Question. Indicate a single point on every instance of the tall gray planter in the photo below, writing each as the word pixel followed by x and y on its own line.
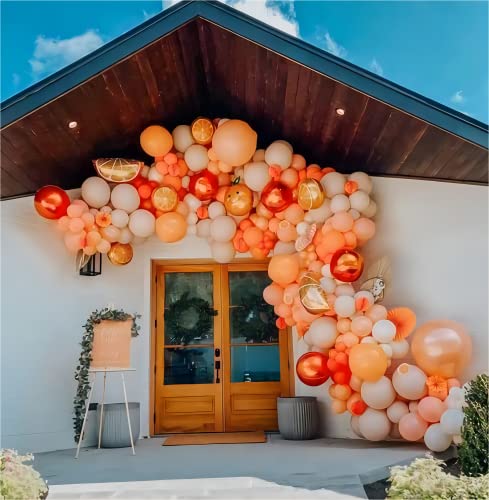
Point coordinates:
pixel 298 417
pixel 115 432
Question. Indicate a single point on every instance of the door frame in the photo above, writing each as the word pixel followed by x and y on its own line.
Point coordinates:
pixel 155 263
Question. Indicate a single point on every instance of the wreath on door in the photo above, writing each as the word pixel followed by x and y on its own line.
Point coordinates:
pixel 188 318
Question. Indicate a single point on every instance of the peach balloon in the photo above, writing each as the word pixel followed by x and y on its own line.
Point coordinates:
pixel 442 348
pixel 156 140
pixel 273 294
pixel 234 142
pixel 171 227
pixel 361 325
pixel 431 409
pixel 344 325
pixel 376 313
pixel 283 269
pixel 283 310
pixel 294 214
pixel 338 406
pixel 364 228
pixel 342 221
pixel 252 236
pixel 74 241
pixel 289 177
pixel 412 427
pixel 286 231
pixel 290 292
pixel 368 362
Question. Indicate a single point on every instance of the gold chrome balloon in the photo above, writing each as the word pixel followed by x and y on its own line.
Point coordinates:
pixel 312 295
pixel 310 194
pixel 120 254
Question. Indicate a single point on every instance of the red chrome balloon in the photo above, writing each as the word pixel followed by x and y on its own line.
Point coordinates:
pixel 51 202
pixel 204 185
pixel 312 368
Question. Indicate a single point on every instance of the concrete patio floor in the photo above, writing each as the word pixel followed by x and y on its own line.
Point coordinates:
pixel 341 466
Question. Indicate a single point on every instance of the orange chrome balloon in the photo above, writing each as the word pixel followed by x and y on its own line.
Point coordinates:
pixel 51 202
pixel 238 199
pixel 276 196
pixel 120 254
pixel 346 265
pixel 312 368
pixel 204 185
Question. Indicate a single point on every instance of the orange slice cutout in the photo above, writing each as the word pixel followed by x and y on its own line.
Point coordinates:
pixel 202 130
pixel 165 198
pixel 117 169
pixel 405 321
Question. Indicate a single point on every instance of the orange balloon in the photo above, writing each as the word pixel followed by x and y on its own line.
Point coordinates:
pixel 234 142
pixel 156 140
pixel 51 202
pixel 171 227
pixel 367 362
pixel 442 348
pixel 283 269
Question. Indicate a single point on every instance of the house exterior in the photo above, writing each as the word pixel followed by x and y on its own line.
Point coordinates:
pixel 429 165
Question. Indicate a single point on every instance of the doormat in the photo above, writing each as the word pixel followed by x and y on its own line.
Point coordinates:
pixel 216 438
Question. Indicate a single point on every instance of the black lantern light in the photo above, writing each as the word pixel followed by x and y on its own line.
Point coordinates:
pixel 92 266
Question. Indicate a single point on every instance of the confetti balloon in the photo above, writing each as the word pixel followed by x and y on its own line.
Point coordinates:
pixel 346 265
pixel 51 202
pixel 312 368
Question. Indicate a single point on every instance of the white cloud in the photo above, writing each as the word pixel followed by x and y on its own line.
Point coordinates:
pixel 51 54
pixel 279 14
pixel 375 67
pixel 458 97
pixel 334 47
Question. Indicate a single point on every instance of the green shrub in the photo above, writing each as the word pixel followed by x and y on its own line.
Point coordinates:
pixel 424 479
pixel 473 450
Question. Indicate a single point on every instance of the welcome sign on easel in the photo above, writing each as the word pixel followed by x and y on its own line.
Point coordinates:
pixel 112 344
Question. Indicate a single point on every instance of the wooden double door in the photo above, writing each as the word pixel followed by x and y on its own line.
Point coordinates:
pixel 220 360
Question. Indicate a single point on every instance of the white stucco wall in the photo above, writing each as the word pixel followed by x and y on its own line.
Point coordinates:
pixel 434 233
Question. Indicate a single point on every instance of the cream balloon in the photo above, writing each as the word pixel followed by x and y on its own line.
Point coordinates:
pixel 155 176
pixel 279 154
pixel 374 424
pixel 400 348
pixel 223 228
pixel 204 228
pixel 320 214
pixel 120 218
pixel 355 425
pixel 182 138
pixel 96 192
pixel 192 202
pixel 142 223
pixel 215 209
pixel 397 410
pixel 125 197
pixel 359 200
pixel 344 306
pixel 110 233
pixel 196 157
pixel 451 421
pixel 363 181
pixel 379 394
pixel 322 333
pixel 125 236
pixel 222 251
pixel 436 439
pixel 256 175
pixel 409 381
pixel 384 331
pixel 340 203
pixel 333 184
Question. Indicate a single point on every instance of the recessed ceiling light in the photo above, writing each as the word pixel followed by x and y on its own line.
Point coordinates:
pixel 340 111
pixel 73 124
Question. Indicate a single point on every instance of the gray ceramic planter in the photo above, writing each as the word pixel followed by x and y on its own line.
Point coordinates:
pixel 298 417
pixel 115 432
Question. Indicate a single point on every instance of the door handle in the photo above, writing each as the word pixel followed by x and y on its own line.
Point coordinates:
pixel 217 353
pixel 217 365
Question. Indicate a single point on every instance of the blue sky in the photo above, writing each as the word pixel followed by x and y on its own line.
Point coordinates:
pixel 438 49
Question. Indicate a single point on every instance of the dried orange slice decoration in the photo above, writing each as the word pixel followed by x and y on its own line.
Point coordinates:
pixel 165 198
pixel 202 130
pixel 117 169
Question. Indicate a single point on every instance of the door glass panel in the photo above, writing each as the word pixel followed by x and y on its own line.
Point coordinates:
pixel 252 320
pixel 255 363
pixel 189 366
pixel 189 309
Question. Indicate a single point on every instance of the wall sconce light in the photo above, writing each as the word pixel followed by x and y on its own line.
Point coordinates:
pixel 93 266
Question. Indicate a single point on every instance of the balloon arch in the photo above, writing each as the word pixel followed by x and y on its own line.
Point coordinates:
pixel 209 179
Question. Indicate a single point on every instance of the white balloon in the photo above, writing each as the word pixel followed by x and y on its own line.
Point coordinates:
pixel 186 181
pixel 191 229
pixel 326 271
pixel 120 218
pixel 154 175
pixel 142 223
pixel 400 348
pixel 192 202
pixel 451 421
pixel 397 410
pixel 363 180
pixel 182 138
pixel 110 233
pixel 95 191
pixel 192 218
pixel 256 175
pixel 384 331
pixel 387 349
pixel 355 425
pixel 340 203
pixel 374 424
pixel 322 333
pixel 222 251
pixel 223 228
pixel 345 289
pixel 145 171
pixel 368 340
pixel 302 228
pixel 125 197
pixel 106 209
pixel 379 394
pixel 279 154
pixel 333 184
pixel 125 235
pixel 359 200
pixel 409 381
pixel 285 143
pixel 371 210
pixel 215 209
pixel 196 157
pixel 354 213
pixel 319 214
pixel 182 208
pixel 437 440
pixel 204 228
pixel 344 306
pixel 328 284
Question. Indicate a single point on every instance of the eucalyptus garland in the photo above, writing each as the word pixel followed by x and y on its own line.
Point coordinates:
pixel 181 326
pixel 81 372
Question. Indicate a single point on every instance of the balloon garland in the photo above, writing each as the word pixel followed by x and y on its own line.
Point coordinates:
pixel 209 179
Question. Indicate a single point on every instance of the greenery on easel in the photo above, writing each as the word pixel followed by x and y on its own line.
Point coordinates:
pixel 81 372
pixel 188 318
